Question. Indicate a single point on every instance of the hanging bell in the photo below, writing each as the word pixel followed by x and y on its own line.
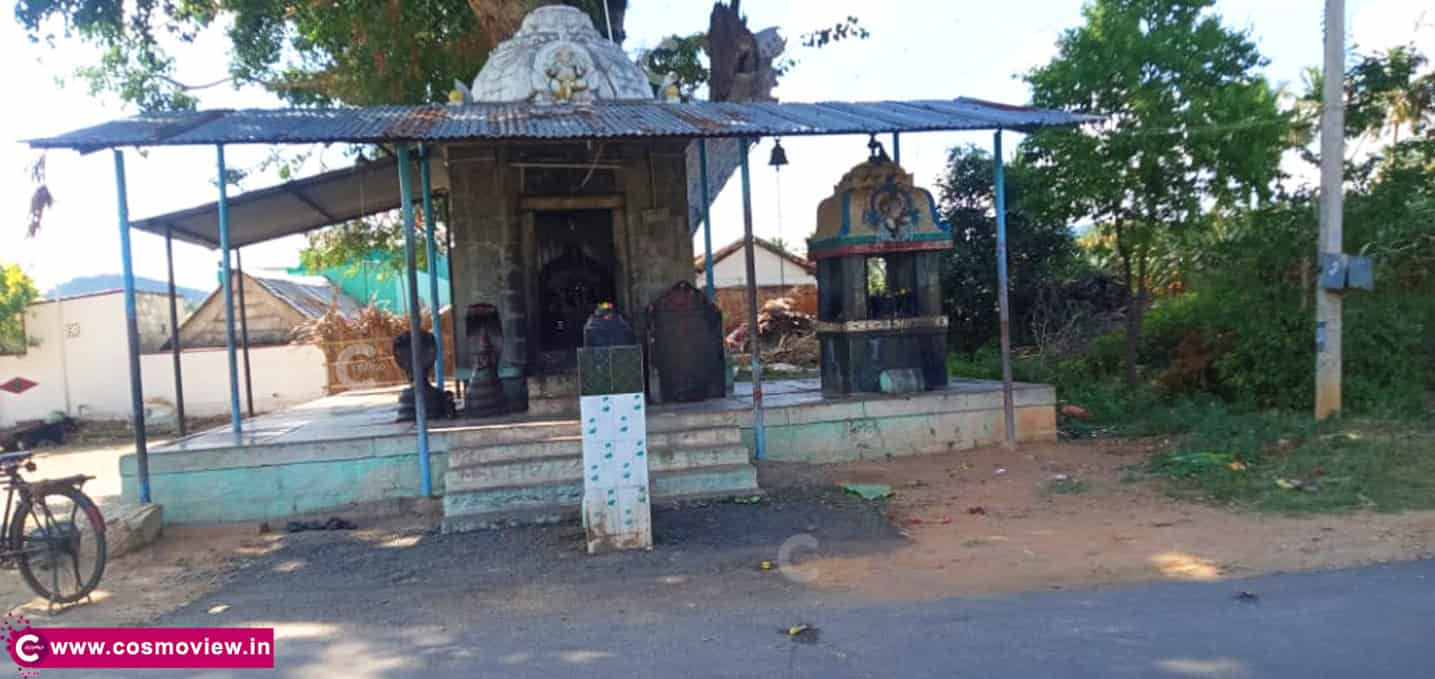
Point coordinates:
pixel 779 155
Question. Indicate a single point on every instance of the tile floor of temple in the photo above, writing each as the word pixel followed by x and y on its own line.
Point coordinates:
pixel 370 413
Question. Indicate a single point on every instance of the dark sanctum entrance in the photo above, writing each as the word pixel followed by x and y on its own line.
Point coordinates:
pixel 576 261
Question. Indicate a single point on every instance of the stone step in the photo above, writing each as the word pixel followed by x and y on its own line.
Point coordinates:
pixel 736 480
pixel 539 515
pixel 516 432
pixel 570 443
pixel 568 425
pixel 507 499
pixel 553 407
pixel 691 419
pixel 569 467
pixel 563 408
pixel 556 446
pixel 695 438
pixel 560 501
pixel 561 386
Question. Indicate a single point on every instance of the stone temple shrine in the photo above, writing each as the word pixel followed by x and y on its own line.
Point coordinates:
pixel 545 232
pixel 569 186
pixel 879 295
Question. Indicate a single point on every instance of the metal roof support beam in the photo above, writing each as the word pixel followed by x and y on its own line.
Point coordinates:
pixel 458 385
pixel 707 221
pixel 406 208
pixel 759 428
pixel 432 252
pixel 132 332
pixel 897 147
pixel 174 348
pixel 304 198
pixel 1003 304
pixel 244 332
pixel 226 278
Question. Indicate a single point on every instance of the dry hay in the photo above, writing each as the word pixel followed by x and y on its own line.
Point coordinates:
pixel 786 335
pixel 358 350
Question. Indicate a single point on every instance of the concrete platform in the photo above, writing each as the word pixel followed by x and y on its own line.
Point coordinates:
pixel 345 449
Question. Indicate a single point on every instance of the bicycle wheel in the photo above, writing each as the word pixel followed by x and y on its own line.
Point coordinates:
pixel 58 537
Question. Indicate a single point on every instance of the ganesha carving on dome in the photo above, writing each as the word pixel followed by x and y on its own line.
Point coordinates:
pixel 557 57
pixel 561 70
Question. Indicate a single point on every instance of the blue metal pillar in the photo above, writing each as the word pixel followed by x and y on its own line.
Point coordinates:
pixel 244 333
pixel 132 332
pixel 759 428
pixel 174 347
pixel 432 252
pixel 235 421
pixel 406 207
pixel 1003 305
pixel 707 220
pixel 897 148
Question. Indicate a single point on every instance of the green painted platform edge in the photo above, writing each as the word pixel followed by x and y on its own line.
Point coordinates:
pixel 880 405
pixel 863 437
pixel 276 491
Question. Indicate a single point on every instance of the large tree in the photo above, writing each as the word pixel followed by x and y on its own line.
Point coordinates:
pixel 354 52
pixel 1191 123
pixel 17 291
pixel 1038 249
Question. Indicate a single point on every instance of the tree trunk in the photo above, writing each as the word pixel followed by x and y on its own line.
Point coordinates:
pixel 1430 358
pixel 1133 322
pixel 742 63
pixel 1135 315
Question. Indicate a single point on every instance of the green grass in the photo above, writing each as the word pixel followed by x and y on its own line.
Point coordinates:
pixel 1234 454
pixel 1280 463
pixel 1116 409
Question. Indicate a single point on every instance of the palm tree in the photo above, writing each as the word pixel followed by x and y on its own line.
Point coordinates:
pixel 1409 97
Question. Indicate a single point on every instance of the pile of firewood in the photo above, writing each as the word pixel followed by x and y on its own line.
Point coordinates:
pixel 785 334
pixel 370 323
pixel 358 349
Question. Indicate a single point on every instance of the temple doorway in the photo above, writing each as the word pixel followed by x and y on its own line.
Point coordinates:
pixel 576 261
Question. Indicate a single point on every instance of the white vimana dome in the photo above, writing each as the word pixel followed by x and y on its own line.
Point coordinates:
pixel 558 57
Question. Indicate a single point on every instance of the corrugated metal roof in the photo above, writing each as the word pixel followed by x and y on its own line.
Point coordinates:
pixel 296 206
pixel 520 121
pixel 309 295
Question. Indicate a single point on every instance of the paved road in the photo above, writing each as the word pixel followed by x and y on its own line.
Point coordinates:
pixel 526 603
pixel 1368 623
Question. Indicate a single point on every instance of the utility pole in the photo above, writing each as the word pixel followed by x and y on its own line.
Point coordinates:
pixel 1329 303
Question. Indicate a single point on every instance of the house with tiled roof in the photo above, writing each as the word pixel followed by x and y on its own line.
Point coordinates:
pixel 780 273
pixel 274 306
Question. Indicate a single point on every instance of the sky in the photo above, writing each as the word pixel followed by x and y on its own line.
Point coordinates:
pixel 917 49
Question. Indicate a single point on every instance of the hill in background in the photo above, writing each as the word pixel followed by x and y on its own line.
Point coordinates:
pixel 85 285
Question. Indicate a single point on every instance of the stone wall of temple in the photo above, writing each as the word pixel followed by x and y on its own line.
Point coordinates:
pixel 498 190
pixel 486 263
pixel 659 243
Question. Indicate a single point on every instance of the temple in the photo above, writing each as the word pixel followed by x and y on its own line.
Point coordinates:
pixel 571 193
pixel 544 232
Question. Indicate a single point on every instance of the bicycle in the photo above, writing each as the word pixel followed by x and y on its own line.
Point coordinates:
pixel 43 546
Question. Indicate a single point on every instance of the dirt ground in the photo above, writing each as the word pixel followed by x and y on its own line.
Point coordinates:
pixel 183 565
pixel 1044 517
pixel 1065 515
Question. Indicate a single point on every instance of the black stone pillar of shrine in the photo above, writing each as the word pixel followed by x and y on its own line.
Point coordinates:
pixel 878 249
